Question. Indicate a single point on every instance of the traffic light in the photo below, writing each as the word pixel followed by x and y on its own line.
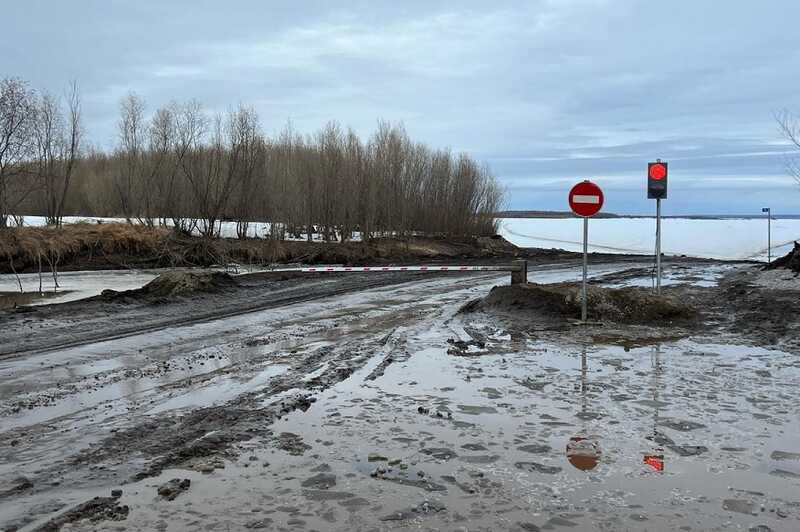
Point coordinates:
pixel 657 180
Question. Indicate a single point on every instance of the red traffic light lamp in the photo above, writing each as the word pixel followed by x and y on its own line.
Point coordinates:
pixel 657 173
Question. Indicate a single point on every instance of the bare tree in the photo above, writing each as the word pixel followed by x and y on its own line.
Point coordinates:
pixel 191 127
pixel 131 136
pixel 245 157
pixel 354 175
pixel 17 122
pixel 330 146
pixel 284 203
pixel 789 126
pixel 161 164
pixel 210 181
pixel 58 144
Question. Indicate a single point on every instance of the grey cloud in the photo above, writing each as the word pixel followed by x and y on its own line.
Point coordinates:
pixel 546 91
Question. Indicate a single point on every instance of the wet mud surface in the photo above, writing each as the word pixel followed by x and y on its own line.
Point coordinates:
pixel 386 408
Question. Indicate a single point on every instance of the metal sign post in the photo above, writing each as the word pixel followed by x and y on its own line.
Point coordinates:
pixel 769 233
pixel 585 200
pixel 658 246
pixel 657 189
pixel 584 310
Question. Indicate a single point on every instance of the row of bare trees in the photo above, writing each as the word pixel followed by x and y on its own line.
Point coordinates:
pixel 40 144
pixel 182 167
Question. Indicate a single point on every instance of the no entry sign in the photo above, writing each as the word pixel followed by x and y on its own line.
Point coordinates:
pixel 586 199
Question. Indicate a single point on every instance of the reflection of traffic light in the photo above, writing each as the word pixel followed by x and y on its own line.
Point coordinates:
pixel 657 174
pixel 655 461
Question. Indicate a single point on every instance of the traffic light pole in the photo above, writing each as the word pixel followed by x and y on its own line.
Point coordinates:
pixel 658 246
pixel 585 266
pixel 657 190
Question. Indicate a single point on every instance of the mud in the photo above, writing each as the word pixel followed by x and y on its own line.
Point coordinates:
pixel 171 489
pixel 171 285
pixel 560 302
pixel 344 406
pixel 12 300
pixel 790 261
pixel 95 510
pixel 767 316
pixel 120 314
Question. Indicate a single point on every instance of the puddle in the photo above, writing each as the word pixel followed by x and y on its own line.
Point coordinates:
pixel 76 285
pixel 9 300
pixel 644 276
pixel 219 391
pixel 613 437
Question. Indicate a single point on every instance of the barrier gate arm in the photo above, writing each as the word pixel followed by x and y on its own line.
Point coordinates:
pixel 518 269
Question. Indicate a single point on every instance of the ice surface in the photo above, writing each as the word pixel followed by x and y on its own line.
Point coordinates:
pixel 717 239
pixel 78 285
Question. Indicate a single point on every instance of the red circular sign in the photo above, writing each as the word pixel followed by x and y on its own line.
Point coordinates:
pixel 658 171
pixel 586 199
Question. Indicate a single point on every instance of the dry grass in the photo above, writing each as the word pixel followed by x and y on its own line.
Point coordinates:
pixel 115 245
pixel 28 245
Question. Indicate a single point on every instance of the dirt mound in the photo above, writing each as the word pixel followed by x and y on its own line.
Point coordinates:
pixel 563 301
pixel 790 261
pixel 177 284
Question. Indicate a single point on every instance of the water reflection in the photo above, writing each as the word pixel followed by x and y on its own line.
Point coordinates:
pixel 655 457
pixel 583 451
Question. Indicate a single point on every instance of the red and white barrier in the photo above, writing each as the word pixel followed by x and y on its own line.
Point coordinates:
pixel 336 269
pixel 518 269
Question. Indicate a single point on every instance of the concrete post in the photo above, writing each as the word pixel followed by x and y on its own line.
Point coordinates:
pixel 520 274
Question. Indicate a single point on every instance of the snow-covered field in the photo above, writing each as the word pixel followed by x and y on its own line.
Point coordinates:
pixel 227 230
pixel 718 239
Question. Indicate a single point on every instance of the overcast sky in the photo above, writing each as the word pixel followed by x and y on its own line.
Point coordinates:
pixel 547 92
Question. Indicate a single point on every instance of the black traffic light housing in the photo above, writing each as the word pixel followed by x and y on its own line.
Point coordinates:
pixel 657 175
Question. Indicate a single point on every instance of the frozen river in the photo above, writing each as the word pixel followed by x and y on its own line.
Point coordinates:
pixel 718 238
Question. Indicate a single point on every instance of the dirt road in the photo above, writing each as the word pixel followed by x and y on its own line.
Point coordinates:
pixel 339 404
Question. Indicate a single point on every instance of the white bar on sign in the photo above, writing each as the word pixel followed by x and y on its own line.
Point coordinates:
pixel 578 198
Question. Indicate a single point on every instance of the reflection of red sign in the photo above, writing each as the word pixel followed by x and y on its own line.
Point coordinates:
pixel 655 461
pixel 585 199
pixel 583 453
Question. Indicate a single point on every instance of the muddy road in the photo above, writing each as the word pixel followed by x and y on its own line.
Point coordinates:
pixel 374 403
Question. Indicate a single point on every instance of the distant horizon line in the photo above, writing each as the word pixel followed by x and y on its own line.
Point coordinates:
pixel 519 213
